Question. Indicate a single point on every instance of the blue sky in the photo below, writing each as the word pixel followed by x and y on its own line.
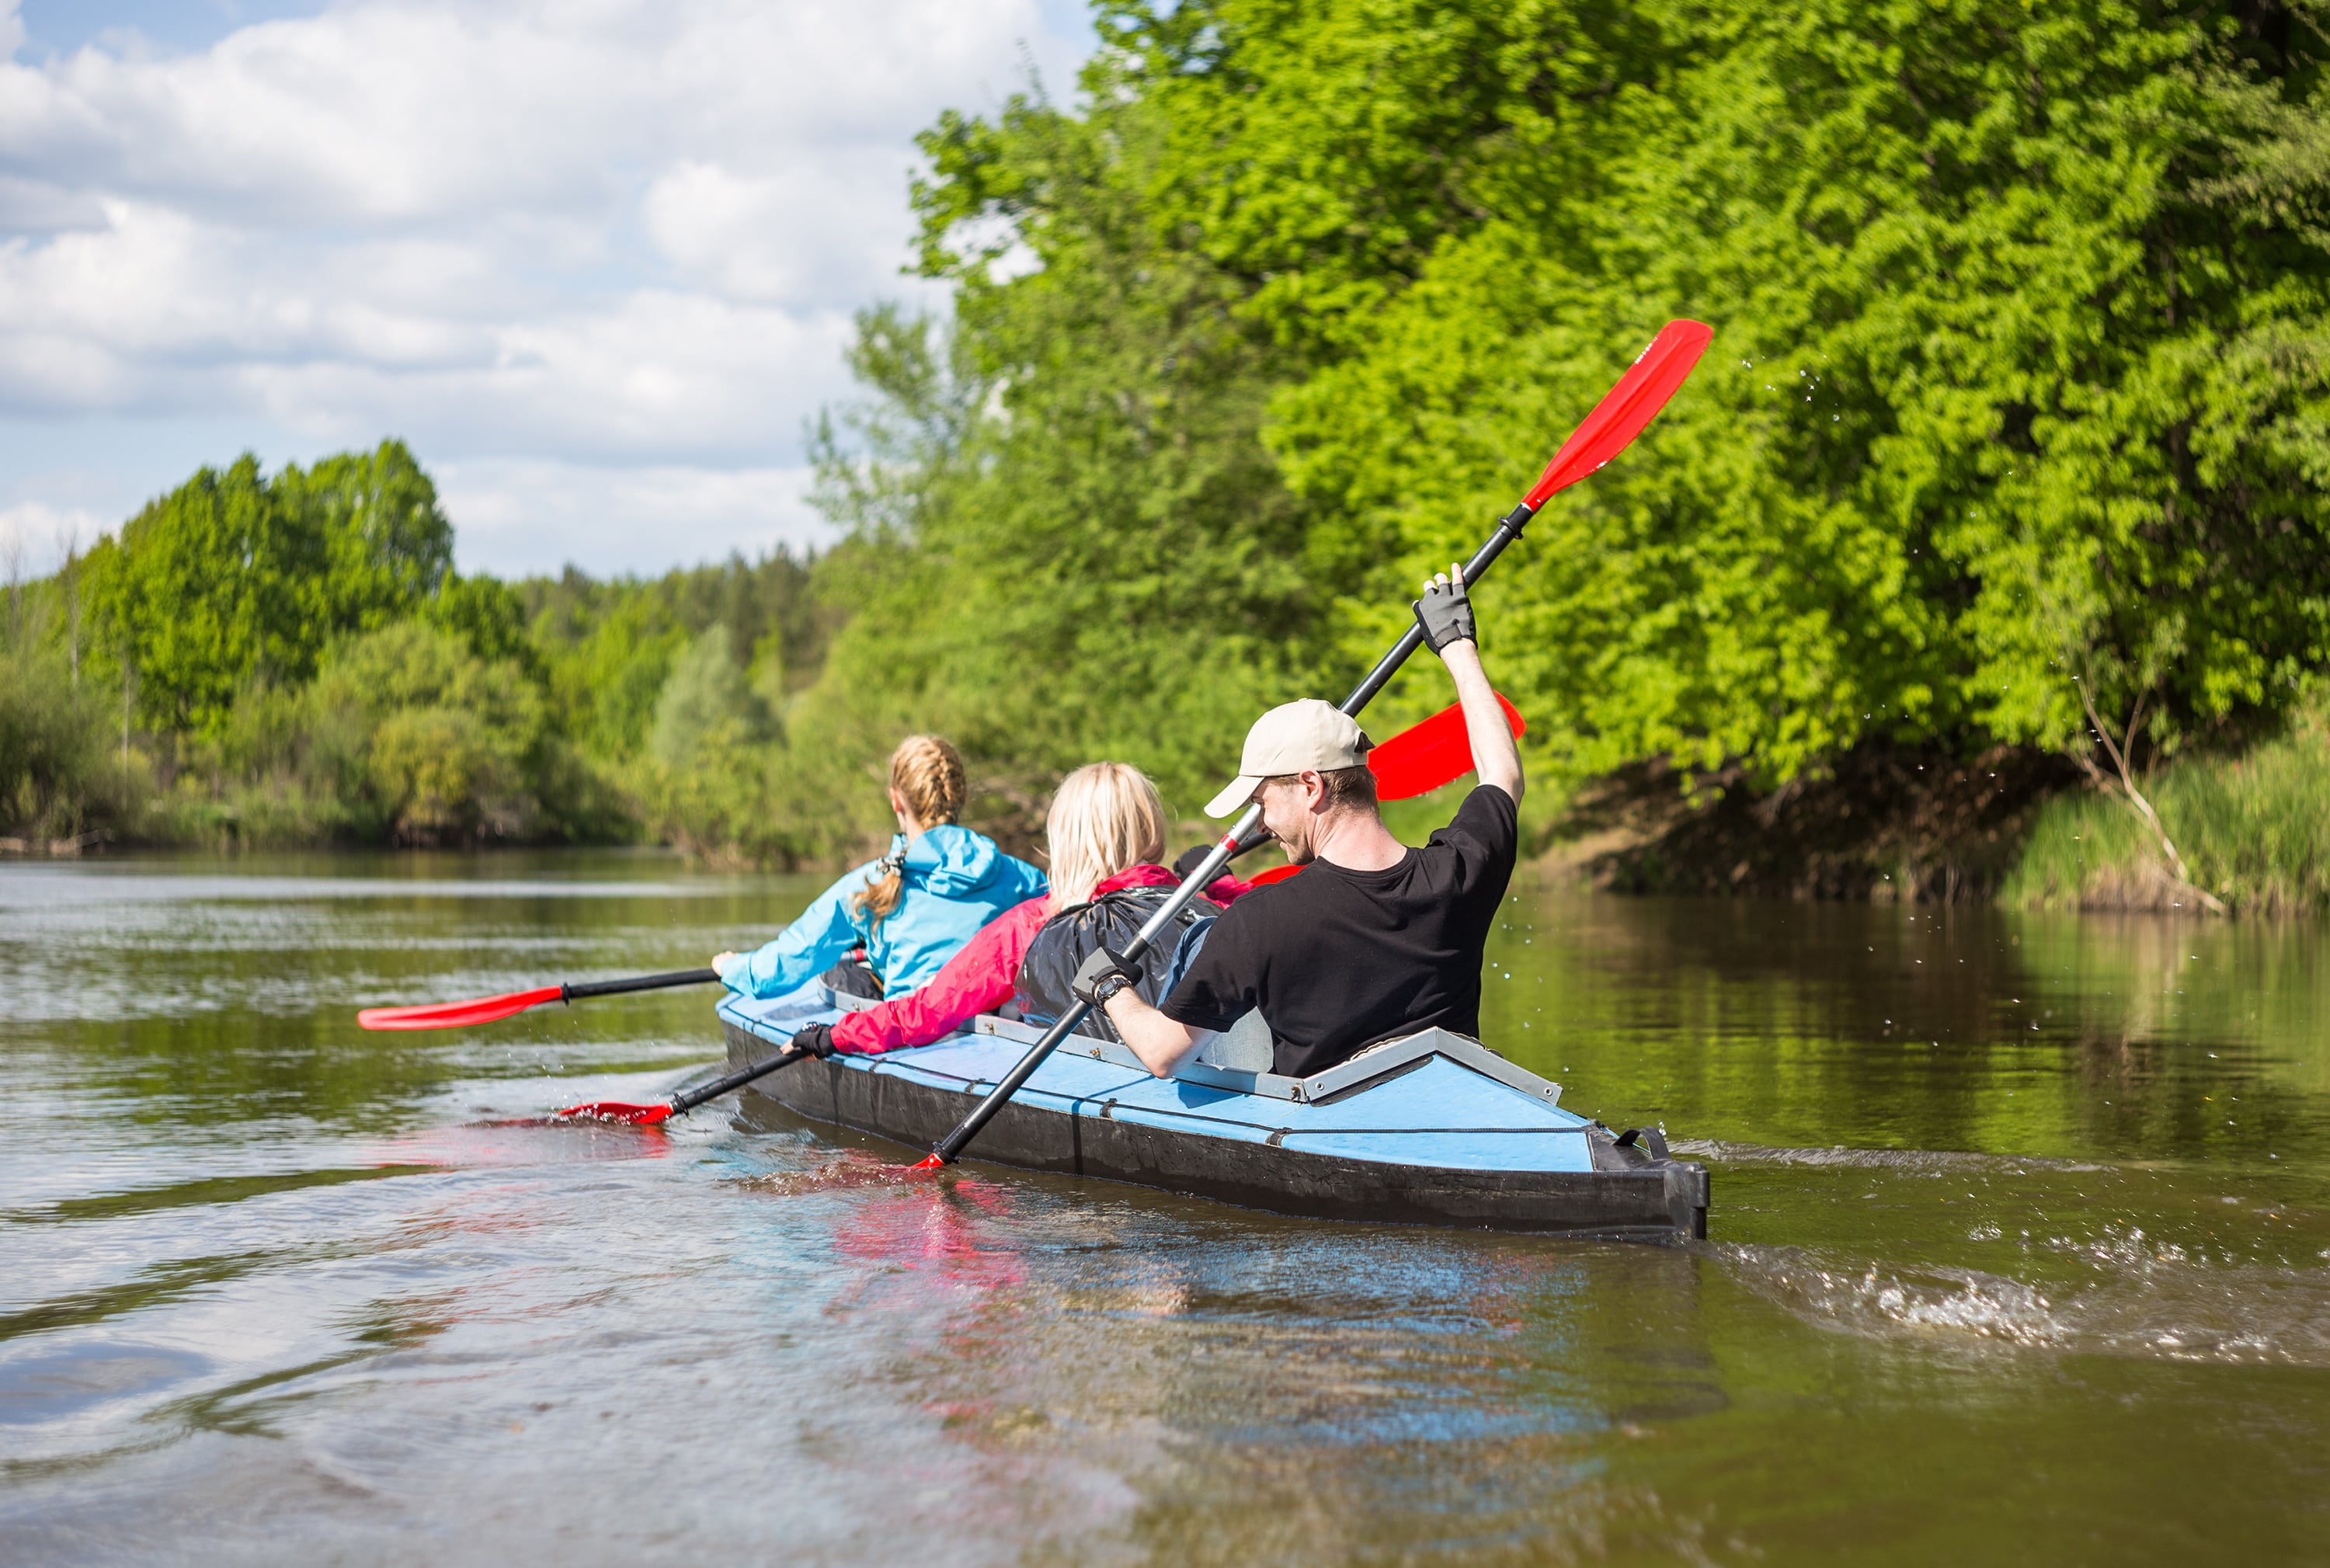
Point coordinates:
pixel 58 26
pixel 595 262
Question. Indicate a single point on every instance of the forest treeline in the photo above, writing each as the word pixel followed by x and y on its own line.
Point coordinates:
pixel 291 659
pixel 2015 434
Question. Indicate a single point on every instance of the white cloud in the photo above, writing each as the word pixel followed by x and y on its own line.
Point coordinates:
pixel 620 520
pixel 559 236
pixel 35 535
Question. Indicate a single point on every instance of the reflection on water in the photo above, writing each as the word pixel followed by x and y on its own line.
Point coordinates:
pixel 2021 1251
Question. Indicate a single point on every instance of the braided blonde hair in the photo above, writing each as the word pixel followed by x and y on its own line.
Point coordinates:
pixel 927 774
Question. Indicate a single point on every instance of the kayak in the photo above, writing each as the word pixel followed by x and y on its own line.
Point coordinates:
pixel 1434 1127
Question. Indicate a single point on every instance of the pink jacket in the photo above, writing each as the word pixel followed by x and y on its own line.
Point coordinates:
pixel 984 973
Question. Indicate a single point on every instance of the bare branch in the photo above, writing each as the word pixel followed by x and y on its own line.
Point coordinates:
pixel 2134 797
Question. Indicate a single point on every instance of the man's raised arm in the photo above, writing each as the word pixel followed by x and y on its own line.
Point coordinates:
pixel 1447 618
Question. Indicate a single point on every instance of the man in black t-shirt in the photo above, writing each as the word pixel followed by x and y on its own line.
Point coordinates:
pixel 1373 940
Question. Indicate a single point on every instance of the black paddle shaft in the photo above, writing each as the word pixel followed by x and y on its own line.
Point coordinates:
pixel 1508 528
pixel 1233 844
pixel 737 1080
pixel 568 991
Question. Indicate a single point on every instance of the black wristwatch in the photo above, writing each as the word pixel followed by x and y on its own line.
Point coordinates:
pixel 1109 985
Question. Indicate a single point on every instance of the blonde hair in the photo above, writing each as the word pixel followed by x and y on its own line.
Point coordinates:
pixel 927 774
pixel 1105 818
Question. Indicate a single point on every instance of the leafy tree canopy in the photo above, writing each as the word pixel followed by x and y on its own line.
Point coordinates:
pixel 2018 384
pixel 235 578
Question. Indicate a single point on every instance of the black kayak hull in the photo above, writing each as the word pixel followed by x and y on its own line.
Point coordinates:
pixel 1630 1192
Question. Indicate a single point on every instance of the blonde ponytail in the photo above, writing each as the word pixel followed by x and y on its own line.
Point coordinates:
pixel 927 774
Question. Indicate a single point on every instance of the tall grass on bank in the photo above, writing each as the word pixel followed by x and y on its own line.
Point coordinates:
pixel 61 774
pixel 2254 829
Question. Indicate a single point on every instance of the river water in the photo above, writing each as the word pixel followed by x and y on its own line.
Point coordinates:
pixel 2020 1253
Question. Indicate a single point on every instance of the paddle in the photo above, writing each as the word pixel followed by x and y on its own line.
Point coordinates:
pixel 486 1009
pixel 665 1110
pixel 1603 434
pixel 1423 757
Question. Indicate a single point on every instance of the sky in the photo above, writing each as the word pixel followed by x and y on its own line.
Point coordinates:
pixel 595 260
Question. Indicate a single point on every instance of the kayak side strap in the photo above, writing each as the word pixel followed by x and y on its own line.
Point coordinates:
pixel 1371 1065
pixel 1651 1139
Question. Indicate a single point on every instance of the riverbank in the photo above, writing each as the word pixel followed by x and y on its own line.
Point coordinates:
pixel 356 761
pixel 2254 831
pixel 2014 826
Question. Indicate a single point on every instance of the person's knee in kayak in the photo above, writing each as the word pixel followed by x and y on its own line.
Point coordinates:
pixel 1374 939
pixel 909 911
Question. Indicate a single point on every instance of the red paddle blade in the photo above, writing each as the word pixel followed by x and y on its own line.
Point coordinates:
pixel 456 1014
pixel 620 1111
pixel 1631 404
pixel 928 1162
pixel 1423 757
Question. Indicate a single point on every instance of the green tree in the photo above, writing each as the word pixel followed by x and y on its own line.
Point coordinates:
pixel 2018 372
pixel 387 544
pixel 233 578
pixel 447 747
pixel 706 700
pixel 1068 539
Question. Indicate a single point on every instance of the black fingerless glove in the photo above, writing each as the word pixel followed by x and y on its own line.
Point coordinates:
pixel 1191 859
pixel 1097 969
pixel 1445 615
pixel 813 1040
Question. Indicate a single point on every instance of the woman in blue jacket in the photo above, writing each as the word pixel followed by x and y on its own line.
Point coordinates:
pixel 911 909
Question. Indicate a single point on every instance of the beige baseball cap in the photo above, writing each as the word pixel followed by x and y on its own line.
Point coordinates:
pixel 1305 735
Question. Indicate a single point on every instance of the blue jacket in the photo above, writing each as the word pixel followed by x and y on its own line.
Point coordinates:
pixel 956 880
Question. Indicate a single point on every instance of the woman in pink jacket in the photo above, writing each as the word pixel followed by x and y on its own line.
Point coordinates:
pixel 1106 832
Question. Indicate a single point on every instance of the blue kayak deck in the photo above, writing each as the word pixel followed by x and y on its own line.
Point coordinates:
pixel 1455 1108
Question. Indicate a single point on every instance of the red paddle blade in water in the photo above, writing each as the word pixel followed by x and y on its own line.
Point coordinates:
pixel 620 1111
pixel 457 1015
pixel 1421 759
pixel 1631 404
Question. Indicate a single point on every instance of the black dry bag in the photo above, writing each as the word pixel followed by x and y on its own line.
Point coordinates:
pixel 1114 918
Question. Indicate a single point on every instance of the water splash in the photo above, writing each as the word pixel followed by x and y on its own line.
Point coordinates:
pixel 2150 1300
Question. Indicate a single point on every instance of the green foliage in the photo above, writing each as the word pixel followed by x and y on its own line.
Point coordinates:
pixel 2014 377
pixel 406 735
pixel 742 796
pixel 387 546
pixel 2254 830
pixel 489 616
pixel 707 704
pixel 2017 403
pixel 233 578
pixel 609 647
pixel 1068 540
pixel 2017 422
pixel 2016 380
pixel 454 748
pixel 301 665
pixel 58 776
